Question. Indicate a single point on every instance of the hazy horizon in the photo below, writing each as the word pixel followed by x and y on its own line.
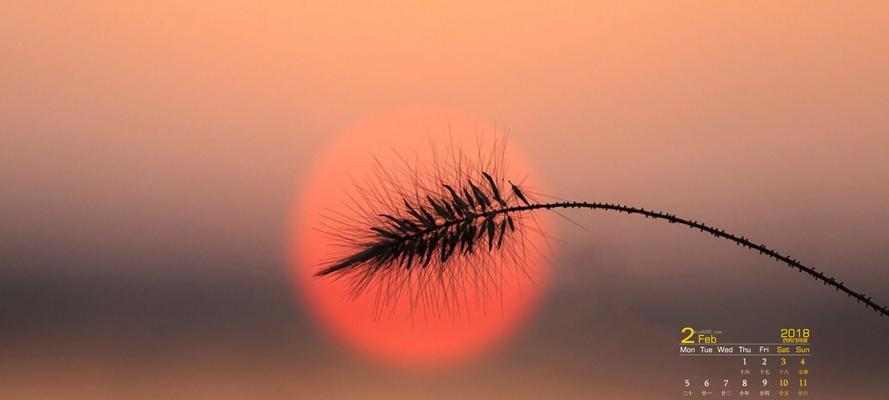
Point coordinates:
pixel 152 153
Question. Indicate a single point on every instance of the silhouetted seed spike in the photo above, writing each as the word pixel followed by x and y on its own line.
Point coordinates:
pixel 408 205
pixel 365 255
pixel 452 243
pixel 404 225
pixel 412 211
pixel 396 256
pixel 502 232
pixel 385 233
pixel 483 227
pixel 447 247
pixel 410 225
pixel 480 196
pixel 459 205
pixel 395 221
pixel 441 211
pixel 449 209
pixel 449 212
pixel 420 250
pixel 469 199
pixel 479 233
pixel 489 225
pixel 465 237
pixel 470 234
pixel 494 190
pixel 445 252
pixel 430 249
pixel 433 203
pixel 410 257
pixel 509 221
pixel 429 220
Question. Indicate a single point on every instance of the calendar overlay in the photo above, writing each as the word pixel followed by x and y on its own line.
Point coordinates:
pixel 715 365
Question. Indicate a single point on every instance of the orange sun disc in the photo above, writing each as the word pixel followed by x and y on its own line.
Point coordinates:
pixel 405 336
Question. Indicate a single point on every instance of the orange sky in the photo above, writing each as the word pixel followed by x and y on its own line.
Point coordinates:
pixel 151 152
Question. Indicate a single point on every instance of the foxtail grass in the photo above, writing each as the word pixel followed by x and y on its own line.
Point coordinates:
pixel 451 226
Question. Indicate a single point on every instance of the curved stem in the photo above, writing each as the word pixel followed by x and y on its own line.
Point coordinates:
pixel 740 240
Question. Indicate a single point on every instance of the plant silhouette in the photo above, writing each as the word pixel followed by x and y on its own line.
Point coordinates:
pixel 431 226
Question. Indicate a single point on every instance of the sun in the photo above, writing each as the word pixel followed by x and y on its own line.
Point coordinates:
pixel 406 338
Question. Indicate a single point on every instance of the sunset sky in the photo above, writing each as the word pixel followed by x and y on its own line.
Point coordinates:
pixel 152 154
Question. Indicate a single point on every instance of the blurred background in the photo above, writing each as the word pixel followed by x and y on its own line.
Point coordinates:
pixel 151 152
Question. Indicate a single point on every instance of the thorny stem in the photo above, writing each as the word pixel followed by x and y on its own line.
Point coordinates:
pixel 740 240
